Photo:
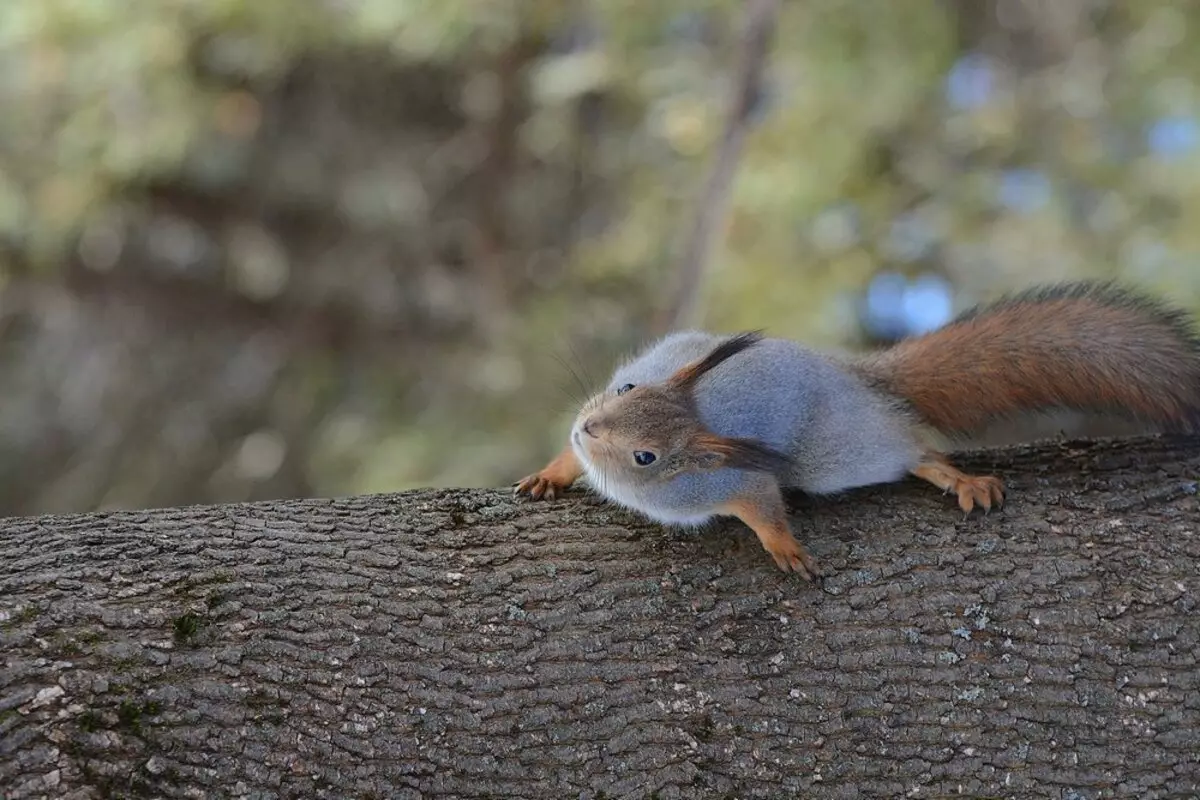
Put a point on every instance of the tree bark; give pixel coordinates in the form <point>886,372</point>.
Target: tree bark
<point>462,644</point>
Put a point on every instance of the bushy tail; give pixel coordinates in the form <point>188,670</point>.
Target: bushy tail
<point>1091,347</point>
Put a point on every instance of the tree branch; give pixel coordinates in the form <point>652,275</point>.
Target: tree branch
<point>462,644</point>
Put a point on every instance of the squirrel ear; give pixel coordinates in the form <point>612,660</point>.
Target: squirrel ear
<point>722,451</point>
<point>687,377</point>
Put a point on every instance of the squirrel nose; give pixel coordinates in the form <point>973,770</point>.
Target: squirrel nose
<point>587,428</point>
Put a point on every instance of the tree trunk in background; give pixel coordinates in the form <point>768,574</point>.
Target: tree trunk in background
<point>460,644</point>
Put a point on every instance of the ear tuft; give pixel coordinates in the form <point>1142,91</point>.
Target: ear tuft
<point>747,454</point>
<point>687,377</point>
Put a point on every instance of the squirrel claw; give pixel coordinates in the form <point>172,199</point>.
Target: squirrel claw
<point>792,557</point>
<point>979,490</point>
<point>538,487</point>
<point>552,480</point>
<point>984,491</point>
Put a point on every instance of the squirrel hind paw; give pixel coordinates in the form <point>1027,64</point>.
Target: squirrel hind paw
<point>984,491</point>
<point>791,556</point>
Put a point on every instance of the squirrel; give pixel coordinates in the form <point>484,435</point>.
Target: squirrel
<point>700,425</point>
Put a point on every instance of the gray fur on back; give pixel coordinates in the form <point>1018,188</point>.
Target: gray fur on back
<point>840,433</point>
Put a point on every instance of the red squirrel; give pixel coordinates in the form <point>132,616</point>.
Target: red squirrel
<point>700,425</point>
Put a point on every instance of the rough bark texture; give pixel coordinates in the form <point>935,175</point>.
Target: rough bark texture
<point>460,644</point>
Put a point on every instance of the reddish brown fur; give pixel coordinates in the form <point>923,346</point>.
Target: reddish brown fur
<point>1088,347</point>
<point>764,513</point>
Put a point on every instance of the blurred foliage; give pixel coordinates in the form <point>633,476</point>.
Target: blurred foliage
<point>265,248</point>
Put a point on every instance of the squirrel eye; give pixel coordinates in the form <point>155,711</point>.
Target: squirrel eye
<point>625,389</point>
<point>644,458</point>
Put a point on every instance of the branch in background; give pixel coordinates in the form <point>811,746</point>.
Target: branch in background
<point>709,223</point>
<point>501,133</point>
<point>589,119</point>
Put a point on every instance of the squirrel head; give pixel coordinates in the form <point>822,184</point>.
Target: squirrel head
<point>653,432</point>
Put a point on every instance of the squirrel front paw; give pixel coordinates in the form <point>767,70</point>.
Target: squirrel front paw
<point>763,512</point>
<point>540,486</point>
<point>553,479</point>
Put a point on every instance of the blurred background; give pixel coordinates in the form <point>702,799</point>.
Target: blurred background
<point>262,248</point>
